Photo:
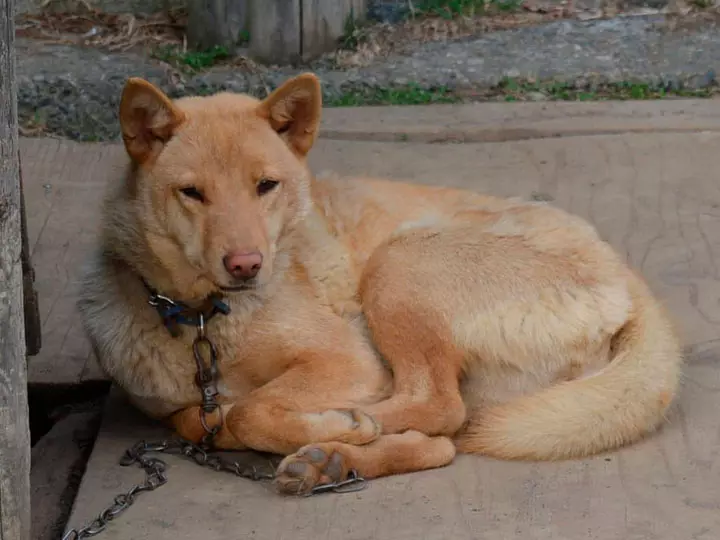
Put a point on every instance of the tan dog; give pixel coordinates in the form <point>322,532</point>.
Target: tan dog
<point>509,329</point>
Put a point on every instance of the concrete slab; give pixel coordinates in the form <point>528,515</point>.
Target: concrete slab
<point>65,181</point>
<point>58,461</point>
<point>655,198</point>
<point>499,122</point>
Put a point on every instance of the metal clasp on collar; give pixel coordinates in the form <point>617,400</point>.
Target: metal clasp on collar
<point>156,299</point>
<point>174,313</point>
<point>201,326</point>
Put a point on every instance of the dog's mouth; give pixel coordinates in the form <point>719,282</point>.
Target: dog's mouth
<point>237,288</point>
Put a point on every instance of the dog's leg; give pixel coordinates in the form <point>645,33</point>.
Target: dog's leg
<point>323,463</point>
<point>408,312</point>
<point>426,367</point>
<point>275,425</point>
<point>187,424</point>
<point>315,401</point>
<point>318,371</point>
<point>513,301</point>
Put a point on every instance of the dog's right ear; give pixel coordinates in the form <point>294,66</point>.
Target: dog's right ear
<point>148,118</point>
<point>293,111</point>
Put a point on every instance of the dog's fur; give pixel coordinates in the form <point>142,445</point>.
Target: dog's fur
<point>390,324</point>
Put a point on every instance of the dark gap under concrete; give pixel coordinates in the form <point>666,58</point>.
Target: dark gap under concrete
<point>49,403</point>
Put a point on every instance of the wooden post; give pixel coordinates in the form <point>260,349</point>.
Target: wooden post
<point>287,31</point>
<point>14,428</point>
<point>218,23</point>
<point>324,23</point>
<point>275,29</point>
<point>31,306</point>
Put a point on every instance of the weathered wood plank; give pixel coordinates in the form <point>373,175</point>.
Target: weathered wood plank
<point>31,309</point>
<point>216,23</point>
<point>325,21</point>
<point>65,183</point>
<point>14,428</point>
<point>288,31</point>
<point>275,31</point>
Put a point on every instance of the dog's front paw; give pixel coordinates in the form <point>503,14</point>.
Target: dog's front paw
<point>311,466</point>
<point>363,427</point>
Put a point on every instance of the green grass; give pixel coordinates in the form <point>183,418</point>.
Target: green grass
<point>448,9</point>
<point>514,90</point>
<point>702,4</point>
<point>409,95</point>
<point>192,60</point>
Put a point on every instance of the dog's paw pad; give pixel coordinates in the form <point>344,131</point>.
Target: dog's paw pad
<point>311,466</point>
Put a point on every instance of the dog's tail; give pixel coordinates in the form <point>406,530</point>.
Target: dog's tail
<point>618,405</point>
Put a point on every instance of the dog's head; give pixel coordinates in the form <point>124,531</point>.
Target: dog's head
<point>217,181</point>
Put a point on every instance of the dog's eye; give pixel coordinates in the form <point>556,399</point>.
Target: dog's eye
<point>193,193</point>
<point>266,186</point>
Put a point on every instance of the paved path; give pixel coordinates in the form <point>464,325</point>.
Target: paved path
<point>655,195</point>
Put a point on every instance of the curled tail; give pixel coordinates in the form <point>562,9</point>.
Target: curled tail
<point>620,404</point>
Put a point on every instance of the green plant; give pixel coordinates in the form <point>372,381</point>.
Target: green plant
<point>192,60</point>
<point>507,5</point>
<point>244,37</point>
<point>411,94</point>
<point>519,90</point>
<point>448,9</point>
<point>354,33</point>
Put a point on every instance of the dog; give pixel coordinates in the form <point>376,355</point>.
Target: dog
<point>360,324</point>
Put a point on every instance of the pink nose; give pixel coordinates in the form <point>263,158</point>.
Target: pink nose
<point>243,264</point>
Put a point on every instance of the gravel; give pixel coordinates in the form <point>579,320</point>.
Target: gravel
<point>74,91</point>
<point>387,11</point>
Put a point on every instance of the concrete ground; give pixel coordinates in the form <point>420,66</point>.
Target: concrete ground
<point>644,174</point>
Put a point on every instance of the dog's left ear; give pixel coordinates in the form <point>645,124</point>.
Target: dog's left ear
<point>148,118</point>
<point>294,111</point>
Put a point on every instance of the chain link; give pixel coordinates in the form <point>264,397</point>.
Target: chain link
<point>206,379</point>
<point>155,477</point>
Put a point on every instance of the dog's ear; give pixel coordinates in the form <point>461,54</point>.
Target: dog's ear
<point>294,110</point>
<point>148,118</point>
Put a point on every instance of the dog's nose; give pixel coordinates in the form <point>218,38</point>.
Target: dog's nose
<point>243,265</point>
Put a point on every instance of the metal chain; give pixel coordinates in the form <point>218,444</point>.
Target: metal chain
<point>155,477</point>
<point>206,379</point>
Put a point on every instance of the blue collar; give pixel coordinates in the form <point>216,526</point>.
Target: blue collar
<point>174,313</point>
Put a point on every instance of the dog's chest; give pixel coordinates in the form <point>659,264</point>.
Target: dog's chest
<point>167,372</point>
<point>329,268</point>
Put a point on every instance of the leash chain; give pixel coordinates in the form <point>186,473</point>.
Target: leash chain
<point>155,468</point>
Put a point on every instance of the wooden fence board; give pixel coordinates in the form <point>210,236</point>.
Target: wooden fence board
<point>275,28</point>
<point>288,31</point>
<point>324,22</point>
<point>216,23</point>
<point>14,428</point>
